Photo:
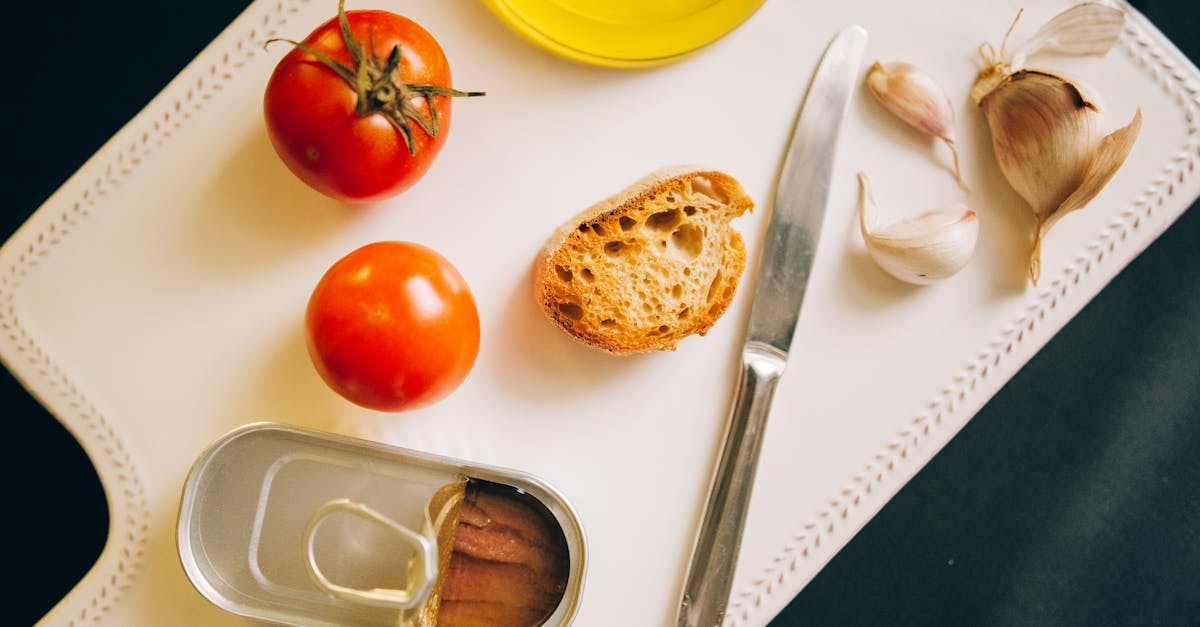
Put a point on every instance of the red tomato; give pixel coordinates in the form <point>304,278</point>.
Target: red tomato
<point>392,326</point>
<point>361,136</point>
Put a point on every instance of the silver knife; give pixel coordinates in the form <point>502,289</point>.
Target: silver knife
<point>791,243</point>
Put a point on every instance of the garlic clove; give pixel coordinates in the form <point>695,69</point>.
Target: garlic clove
<point>1048,135</point>
<point>1112,151</point>
<point>1050,142</point>
<point>1043,134</point>
<point>923,249</point>
<point>1109,155</point>
<point>910,94</point>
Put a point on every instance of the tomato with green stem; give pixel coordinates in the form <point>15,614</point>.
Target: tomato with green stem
<point>360,108</point>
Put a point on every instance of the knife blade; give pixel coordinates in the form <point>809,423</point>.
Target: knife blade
<point>793,231</point>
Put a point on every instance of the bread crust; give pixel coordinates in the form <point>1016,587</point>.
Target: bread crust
<point>646,267</point>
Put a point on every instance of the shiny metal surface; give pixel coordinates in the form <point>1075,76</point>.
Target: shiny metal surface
<point>787,257</point>
<point>253,500</point>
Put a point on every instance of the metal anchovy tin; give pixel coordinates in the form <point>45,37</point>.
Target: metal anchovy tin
<point>295,526</point>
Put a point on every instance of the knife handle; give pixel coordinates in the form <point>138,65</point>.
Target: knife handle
<point>714,556</point>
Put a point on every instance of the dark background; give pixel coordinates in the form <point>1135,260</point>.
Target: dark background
<point>1072,498</point>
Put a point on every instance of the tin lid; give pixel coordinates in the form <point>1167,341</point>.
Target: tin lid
<point>295,526</point>
<point>623,33</point>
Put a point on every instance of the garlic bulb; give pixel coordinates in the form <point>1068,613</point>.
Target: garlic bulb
<point>912,95</point>
<point>1049,137</point>
<point>923,249</point>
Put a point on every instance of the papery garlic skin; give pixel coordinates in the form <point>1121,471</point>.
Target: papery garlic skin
<point>912,95</point>
<point>923,249</point>
<point>1086,29</point>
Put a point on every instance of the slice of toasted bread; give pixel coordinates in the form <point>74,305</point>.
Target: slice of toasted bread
<point>649,266</point>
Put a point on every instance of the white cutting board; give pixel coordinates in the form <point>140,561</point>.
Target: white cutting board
<point>155,301</point>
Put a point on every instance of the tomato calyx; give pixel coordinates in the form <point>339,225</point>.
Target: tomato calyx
<point>376,85</point>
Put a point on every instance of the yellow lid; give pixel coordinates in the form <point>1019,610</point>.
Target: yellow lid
<point>623,33</point>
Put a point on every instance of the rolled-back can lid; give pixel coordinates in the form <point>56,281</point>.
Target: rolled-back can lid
<point>296,526</point>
